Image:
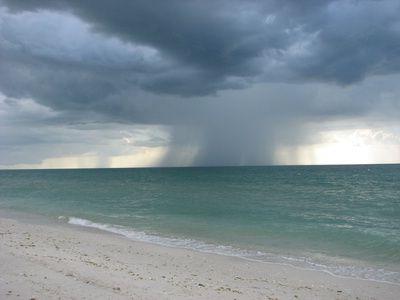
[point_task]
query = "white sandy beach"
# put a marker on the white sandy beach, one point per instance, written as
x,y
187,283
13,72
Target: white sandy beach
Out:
x,y
58,261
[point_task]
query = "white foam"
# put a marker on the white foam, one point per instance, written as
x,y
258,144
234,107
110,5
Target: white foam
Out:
x,y
301,262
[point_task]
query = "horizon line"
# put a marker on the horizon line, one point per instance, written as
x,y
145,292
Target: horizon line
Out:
x,y
205,166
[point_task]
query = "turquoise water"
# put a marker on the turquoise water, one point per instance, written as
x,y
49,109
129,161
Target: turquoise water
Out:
x,y
341,219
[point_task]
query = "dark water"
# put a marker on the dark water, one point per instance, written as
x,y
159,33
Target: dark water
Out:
x,y
342,219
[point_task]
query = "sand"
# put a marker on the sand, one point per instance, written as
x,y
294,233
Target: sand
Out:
x,y
60,261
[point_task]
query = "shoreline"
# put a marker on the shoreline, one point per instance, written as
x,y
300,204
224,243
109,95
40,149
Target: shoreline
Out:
x,y
205,247
103,262
211,248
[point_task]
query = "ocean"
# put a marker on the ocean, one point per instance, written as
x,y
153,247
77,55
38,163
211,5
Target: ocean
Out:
x,y
344,220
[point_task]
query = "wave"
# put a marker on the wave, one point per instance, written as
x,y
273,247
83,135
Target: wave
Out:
x,y
335,269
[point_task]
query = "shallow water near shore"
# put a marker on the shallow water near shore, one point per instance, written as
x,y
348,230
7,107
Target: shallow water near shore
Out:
x,y
344,220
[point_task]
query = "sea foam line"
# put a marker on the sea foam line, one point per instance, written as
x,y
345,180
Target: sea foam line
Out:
x,y
364,273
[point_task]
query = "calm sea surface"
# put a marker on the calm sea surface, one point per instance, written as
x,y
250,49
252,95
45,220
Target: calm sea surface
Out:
x,y
341,219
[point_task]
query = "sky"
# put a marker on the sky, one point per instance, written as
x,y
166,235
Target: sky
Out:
x,y
198,83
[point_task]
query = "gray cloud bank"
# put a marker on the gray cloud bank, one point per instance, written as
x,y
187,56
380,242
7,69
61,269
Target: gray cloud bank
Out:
x,y
233,78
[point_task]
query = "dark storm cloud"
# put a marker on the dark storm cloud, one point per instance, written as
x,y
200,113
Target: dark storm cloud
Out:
x,y
238,75
214,41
